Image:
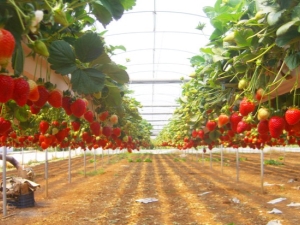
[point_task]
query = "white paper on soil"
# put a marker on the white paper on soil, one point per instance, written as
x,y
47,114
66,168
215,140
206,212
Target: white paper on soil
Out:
x,y
235,200
204,193
275,211
294,204
274,222
274,201
147,200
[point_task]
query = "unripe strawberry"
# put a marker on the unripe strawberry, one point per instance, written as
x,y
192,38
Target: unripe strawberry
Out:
x,y
33,91
21,91
263,114
113,119
40,48
6,87
7,46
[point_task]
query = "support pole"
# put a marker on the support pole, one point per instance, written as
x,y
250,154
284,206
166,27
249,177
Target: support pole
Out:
x,y
237,165
94,159
22,155
4,180
262,170
222,159
69,165
46,172
84,162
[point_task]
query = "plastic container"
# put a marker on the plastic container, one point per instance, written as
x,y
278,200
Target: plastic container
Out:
x,y
23,201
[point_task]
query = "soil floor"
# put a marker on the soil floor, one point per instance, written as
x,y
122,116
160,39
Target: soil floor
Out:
x,y
190,191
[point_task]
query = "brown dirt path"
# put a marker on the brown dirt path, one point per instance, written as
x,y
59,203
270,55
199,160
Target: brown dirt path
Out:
x,y
109,196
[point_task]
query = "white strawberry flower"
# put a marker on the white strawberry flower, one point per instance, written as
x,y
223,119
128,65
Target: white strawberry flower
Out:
x,y
38,17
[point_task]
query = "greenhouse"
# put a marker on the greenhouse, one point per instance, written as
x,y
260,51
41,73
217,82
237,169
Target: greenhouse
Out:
x,y
150,112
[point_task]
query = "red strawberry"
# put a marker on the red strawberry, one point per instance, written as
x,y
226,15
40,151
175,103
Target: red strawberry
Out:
x,y
55,98
194,133
5,125
201,134
34,109
259,94
66,104
33,92
263,127
276,126
21,91
292,116
6,86
117,131
246,107
95,128
78,107
235,118
89,116
211,125
223,119
7,46
107,131
75,125
103,116
44,125
43,96
242,126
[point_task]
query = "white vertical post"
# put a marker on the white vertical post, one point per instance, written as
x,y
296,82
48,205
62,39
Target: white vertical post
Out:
x,y
237,165
4,180
84,161
95,159
46,172
262,170
210,158
22,155
222,159
69,164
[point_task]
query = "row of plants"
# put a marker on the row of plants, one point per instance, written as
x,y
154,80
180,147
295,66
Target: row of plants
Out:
x,y
62,37
244,91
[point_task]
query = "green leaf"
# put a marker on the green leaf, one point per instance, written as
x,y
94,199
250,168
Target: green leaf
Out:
x,y
114,96
196,60
88,47
127,4
296,12
87,81
195,118
289,37
285,27
101,13
293,61
102,59
62,57
112,70
207,50
115,8
18,59
274,17
22,114
241,37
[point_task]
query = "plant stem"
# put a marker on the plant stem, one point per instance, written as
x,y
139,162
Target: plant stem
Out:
x,y
268,49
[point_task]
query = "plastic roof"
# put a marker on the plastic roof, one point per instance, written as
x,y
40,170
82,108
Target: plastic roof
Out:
x,y
160,37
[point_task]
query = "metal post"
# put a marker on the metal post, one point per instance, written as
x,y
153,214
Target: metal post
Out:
x,y
46,172
262,170
63,153
84,162
210,156
4,180
69,165
222,159
36,155
237,164
22,155
95,159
